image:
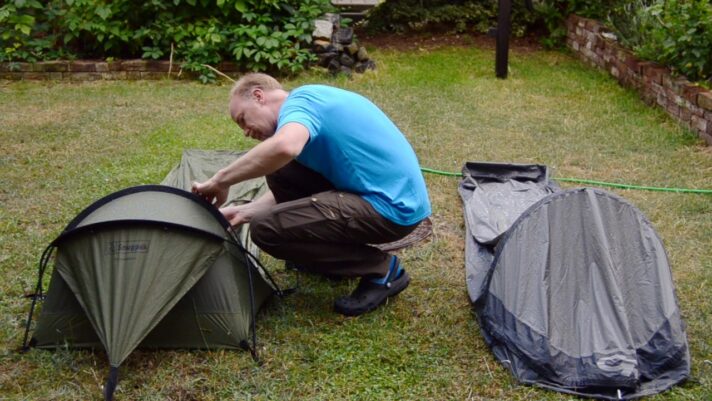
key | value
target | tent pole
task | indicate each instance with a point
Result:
(248, 266)
(44, 259)
(252, 309)
(111, 383)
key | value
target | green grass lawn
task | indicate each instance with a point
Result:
(65, 145)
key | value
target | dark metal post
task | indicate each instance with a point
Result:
(504, 28)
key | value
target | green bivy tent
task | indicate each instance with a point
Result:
(153, 266)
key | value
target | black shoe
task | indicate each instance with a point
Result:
(369, 295)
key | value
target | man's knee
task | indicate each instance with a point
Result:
(263, 231)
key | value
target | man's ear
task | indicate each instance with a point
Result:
(259, 95)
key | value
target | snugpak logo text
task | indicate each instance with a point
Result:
(128, 247)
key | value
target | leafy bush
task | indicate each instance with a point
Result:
(677, 33)
(461, 15)
(267, 35)
(553, 14)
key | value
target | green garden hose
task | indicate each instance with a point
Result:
(592, 182)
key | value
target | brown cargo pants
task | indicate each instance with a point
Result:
(321, 229)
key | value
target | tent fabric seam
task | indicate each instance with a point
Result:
(145, 188)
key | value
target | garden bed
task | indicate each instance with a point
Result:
(689, 103)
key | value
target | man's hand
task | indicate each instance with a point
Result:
(211, 191)
(236, 215)
(242, 214)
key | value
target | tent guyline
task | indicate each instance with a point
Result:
(593, 182)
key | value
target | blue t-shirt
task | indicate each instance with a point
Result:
(355, 146)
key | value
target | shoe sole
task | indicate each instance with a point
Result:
(402, 284)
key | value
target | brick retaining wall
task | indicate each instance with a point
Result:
(689, 104)
(87, 70)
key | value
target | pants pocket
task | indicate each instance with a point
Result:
(328, 204)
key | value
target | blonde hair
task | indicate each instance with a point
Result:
(244, 86)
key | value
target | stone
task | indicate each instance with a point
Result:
(609, 36)
(333, 66)
(704, 100)
(12, 66)
(345, 70)
(115, 65)
(133, 75)
(346, 60)
(323, 29)
(648, 96)
(153, 75)
(344, 36)
(35, 75)
(224, 66)
(122, 75)
(362, 54)
(360, 67)
(690, 92)
(633, 63)
(696, 111)
(13, 76)
(320, 45)
(101, 67)
(654, 73)
(334, 18)
(82, 66)
(662, 100)
(85, 76)
(707, 137)
(352, 49)
(325, 58)
(698, 123)
(673, 109)
(104, 66)
(134, 65)
(157, 65)
(615, 72)
(52, 66)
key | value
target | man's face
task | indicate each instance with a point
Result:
(255, 119)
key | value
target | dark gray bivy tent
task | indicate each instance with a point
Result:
(572, 288)
(153, 266)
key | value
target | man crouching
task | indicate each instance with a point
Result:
(341, 176)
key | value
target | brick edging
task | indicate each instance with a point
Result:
(689, 104)
(92, 70)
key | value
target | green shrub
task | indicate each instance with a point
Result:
(266, 35)
(553, 14)
(677, 33)
(461, 15)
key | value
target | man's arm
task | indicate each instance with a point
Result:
(265, 158)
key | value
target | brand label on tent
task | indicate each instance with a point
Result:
(123, 249)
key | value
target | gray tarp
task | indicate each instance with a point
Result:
(494, 196)
(576, 294)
